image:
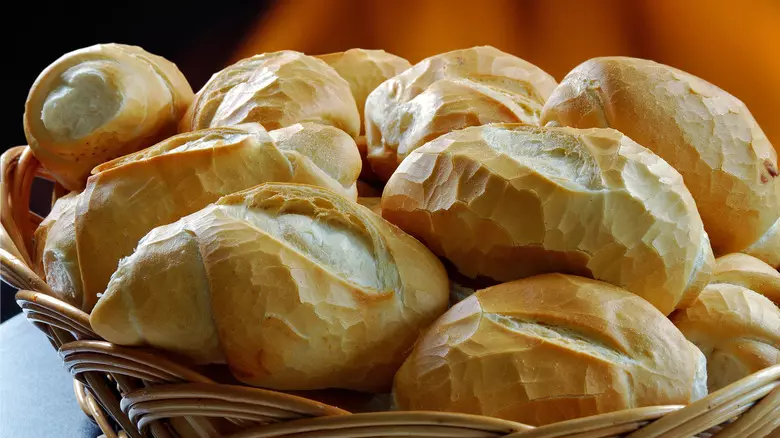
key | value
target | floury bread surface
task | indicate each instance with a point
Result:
(550, 348)
(508, 201)
(708, 135)
(276, 90)
(446, 92)
(129, 196)
(293, 286)
(738, 330)
(101, 102)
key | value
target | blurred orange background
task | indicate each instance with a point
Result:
(731, 44)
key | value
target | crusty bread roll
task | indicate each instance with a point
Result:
(738, 330)
(294, 286)
(749, 272)
(183, 174)
(507, 201)
(708, 135)
(549, 348)
(276, 90)
(315, 149)
(56, 257)
(447, 92)
(365, 70)
(101, 102)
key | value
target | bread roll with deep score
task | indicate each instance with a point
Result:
(738, 330)
(365, 70)
(185, 173)
(276, 90)
(708, 135)
(101, 102)
(56, 257)
(447, 92)
(294, 286)
(508, 201)
(550, 348)
(749, 272)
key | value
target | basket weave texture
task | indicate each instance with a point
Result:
(142, 392)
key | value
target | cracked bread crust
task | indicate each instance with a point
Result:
(550, 348)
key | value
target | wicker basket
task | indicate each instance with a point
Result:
(146, 393)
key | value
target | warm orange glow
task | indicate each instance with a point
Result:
(735, 45)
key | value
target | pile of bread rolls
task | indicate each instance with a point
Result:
(466, 233)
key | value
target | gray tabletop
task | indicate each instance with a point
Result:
(36, 391)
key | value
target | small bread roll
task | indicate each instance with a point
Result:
(708, 135)
(448, 92)
(320, 148)
(748, 272)
(101, 102)
(508, 201)
(550, 348)
(294, 286)
(276, 90)
(56, 257)
(183, 174)
(737, 329)
(365, 70)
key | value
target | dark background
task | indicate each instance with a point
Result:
(197, 36)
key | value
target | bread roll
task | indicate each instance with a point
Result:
(550, 348)
(101, 102)
(183, 174)
(365, 70)
(447, 92)
(319, 148)
(749, 272)
(56, 257)
(708, 135)
(738, 330)
(508, 201)
(293, 286)
(276, 90)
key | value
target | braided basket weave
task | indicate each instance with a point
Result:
(146, 393)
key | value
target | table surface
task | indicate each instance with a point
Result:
(36, 391)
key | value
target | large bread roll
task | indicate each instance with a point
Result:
(508, 201)
(447, 92)
(737, 329)
(708, 135)
(550, 348)
(129, 196)
(293, 286)
(749, 272)
(101, 102)
(365, 70)
(274, 89)
(56, 257)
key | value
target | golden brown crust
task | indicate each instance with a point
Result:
(549, 348)
(276, 90)
(447, 92)
(749, 272)
(55, 251)
(708, 135)
(305, 289)
(738, 330)
(101, 102)
(508, 201)
(180, 176)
